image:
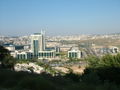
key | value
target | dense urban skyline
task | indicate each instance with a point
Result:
(59, 17)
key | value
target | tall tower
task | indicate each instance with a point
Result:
(37, 42)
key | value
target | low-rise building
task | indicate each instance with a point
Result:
(38, 49)
(74, 53)
(10, 47)
(105, 49)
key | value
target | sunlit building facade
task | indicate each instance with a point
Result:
(38, 49)
(74, 53)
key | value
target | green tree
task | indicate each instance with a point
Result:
(9, 62)
(110, 61)
(6, 60)
(3, 53)
(93, 61)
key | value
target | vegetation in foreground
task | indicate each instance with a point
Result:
(101, 74)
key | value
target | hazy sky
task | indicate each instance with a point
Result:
(59, 17)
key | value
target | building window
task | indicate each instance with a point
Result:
(35, 46)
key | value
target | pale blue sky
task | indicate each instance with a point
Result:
(59, 17)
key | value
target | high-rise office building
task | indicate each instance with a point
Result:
(37, 42)
(37, 48)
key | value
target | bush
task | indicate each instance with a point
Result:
(33, 83)
(102, 74)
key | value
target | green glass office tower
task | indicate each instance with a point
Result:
(37, 43)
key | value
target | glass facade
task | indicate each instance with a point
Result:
(74, 54)
(40, 55)
(46, 54)
(35, 44)
(38, 50)
(21, 56)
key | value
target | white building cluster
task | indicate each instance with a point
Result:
(37, 49)
(75, 53)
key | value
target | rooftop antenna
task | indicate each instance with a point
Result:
(42, 32)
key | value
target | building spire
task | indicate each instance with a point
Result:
(42, 32)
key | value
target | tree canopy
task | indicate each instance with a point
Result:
(7, 61)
